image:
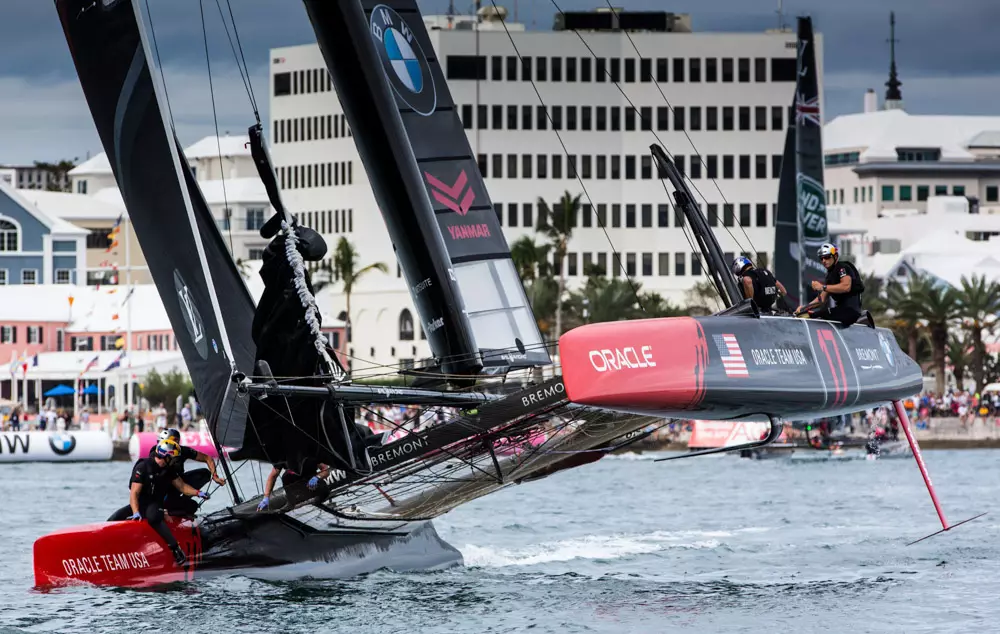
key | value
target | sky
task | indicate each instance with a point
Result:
(948, 57)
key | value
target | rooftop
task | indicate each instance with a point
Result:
(55, 224)
(73, 206)
(98, 164)
(234, 190)
(213, 146)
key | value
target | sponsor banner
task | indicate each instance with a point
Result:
(43, 446)
(644, 365)
(140, 444)
(711, 434)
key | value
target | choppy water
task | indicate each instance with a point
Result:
(624, 545)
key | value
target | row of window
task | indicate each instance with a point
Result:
(253, 220)
(107, 343)
(302, 82)
(632, 216)
(316, 175)
(601, 118)
(638, 264)
(328, 221)
(923, 192)
(34, 334)
(30, 276)
(629, 167)
(317, 128)
(616, 69)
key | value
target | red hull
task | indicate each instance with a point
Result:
(127, 554)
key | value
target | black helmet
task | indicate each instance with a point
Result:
(172, 434)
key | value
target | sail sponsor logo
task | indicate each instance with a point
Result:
(403, 60)
(96, 564)
(544, 394)
(778, 356)
(62, 444)
(628, 358)
(433, 324)
(399, 450)
(812, 210)
(191, 315)
(422, 286)
(458, 196)
(466, 232)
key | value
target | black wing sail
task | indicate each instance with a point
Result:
(786, 223)
(445, 191)
(205, 298)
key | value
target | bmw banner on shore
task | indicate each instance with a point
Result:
(55, 446)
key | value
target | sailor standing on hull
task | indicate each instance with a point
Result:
(843, 285)
(175, 503)
(151, 479)
(289, 477)
(758, 283)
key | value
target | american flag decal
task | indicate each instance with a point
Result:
(807, 110)
(732, 356)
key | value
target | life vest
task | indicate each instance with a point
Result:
(765, 289)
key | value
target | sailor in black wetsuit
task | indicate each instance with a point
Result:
(150, 480)
(843, 285)
(758, 283)
(176, 503)
(289, 477)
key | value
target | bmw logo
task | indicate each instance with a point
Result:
(403, 60)
(887, 351)
(62, 444)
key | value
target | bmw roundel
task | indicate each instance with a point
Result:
(887, 351)
(62, 444)
(403, 60)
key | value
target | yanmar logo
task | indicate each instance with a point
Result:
(614, 359)
(452, 196)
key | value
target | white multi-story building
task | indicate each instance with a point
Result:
(722, 114)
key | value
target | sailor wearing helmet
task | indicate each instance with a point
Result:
(758, 283)
(843, 285)
(175, 503)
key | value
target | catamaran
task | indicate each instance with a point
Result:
(274, 391)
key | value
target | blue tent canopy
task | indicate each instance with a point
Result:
(60, 390)
(92, 389)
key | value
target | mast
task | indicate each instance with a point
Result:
(893, 95)
(725, 283)
(798, 170)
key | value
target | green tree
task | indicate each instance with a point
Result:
(703, 298)
(57, 174)
(905, 320)
(556, 223)
(936, 304)
(655, 305)
(959, 358)
(165, 388)
(602, 299)
(347, 269)
(979, 303)
(533, 267)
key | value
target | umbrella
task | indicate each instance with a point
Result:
(60, 390)
(92, 389)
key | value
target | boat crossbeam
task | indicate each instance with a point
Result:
(772, 434)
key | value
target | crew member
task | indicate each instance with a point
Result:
(175, 503)
(758, 283)
(289, 477)
(151, 479)
(843, 286)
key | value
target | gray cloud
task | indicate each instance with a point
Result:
(947, 58)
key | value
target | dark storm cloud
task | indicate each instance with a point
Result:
(947, 57)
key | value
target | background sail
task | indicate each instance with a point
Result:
(208, 304)
(494, 296)
(810, 193)
(786, 223)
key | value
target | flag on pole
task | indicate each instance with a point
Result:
(93, 362)
(24, 363)
(34, 361)
(13, 363)
(116, 363)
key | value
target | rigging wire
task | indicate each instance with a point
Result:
(247, 84)
(701, 159)
(215, 117)
(570, 160)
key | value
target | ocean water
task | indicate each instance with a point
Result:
(624, 545)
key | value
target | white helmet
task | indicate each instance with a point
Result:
(171, 433)
(827, 249)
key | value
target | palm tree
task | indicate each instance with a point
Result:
(655, 305)
(701, 297)
(345, 269)
(958, 357)
(905, 321)
(936, 304)
(979, 303)
(556, 223)
(602, 299)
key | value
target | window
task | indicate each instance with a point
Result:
(585, 69)
(783, 69)
(541, 118)
(481, 161)
(557, 165)
(646, 118)
(616, 70)
(557, 117)
(282, 84)
(602, 166)
(467, 116)
(496, 68)
(541, 170)
(663, 215)
(81, 187)
(571, 117)
(761, 214)
(526, 68)
(647, 264)
(255, 218)
(511, 68)
(695, 171)
(679, 261)
(616, 167)
(602, 264)
(498, 166)
(918, 154)
(744, 214)
(695, 264)
(776, 160)
(405, 325)
(744, 69)
(678, 69)
(512, 166)
(481, 118)
(727, 118)
(695, 116)
(527, 215)
(679, 118)
(63, 276)
(992, 193)
(8, 334)
(602, 117)
(497, 117)
(602, 215)
(744, 166)
(760, 169)
(601, 70)
(713, 214)
(586, 216)
(511, 118)
(905, 193)
(585, 118)
(556, 69)
(646, 167)
(760, 69)
(728, 217)
(630, 167)
(727, 70)
(940, 190)
(744, 117)
(3, 277)
(541, 68)
(585, 166)
(630, 264)
(662, 118)
(570, 69)
(711, 118)
(760, 117)
(630, 217)
(629, 119)
(694, 69)
(9, 236)
(888, 192)
(727, 166)
(645, 69)
(663, 263)
(511, 214)
(466, 67)
(615, 118)
(571, 268)
(616, 215)
(679, 162)
(629, 70)
(526, 165)
(712, 166)
(711, 70)
(29, 276)
(647, 216)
